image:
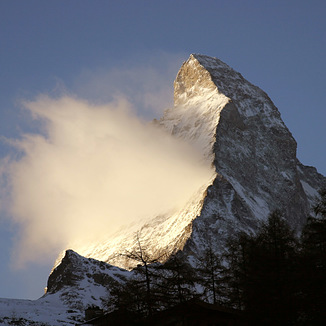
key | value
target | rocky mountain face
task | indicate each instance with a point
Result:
(239, 130)
(254, 154)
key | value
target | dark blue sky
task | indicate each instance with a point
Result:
(47, 46)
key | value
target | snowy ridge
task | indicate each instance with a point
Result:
(195, 120)
(163, 233)
(249, 99)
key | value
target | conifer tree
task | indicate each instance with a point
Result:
(236, 277)
(313, 265)
(265, 271)
(177, 281)
(144, 270)
(210, 274)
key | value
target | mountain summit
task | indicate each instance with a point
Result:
(253, 152)
(238, 128)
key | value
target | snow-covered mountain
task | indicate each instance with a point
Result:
(238, 128)
(257, 170)
(240, 131)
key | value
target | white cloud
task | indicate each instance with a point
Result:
(92, 169)
(4, 188)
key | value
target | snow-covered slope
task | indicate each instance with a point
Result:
(41, 312)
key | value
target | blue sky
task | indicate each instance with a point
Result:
(93, 48)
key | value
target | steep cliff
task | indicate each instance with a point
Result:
(254, 154)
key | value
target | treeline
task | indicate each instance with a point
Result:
(274, 276)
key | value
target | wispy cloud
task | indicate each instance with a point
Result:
(148, 85)
(91, 169)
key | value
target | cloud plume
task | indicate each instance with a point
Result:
(91, 170)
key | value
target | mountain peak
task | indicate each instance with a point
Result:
(210, 62)
(239, 130)
(202, 74)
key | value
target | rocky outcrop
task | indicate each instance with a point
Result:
(76, 284)
(74, 268)
(80, 281)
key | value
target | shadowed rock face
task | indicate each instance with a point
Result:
(66, 274)
(80, 282)
(75, 268)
